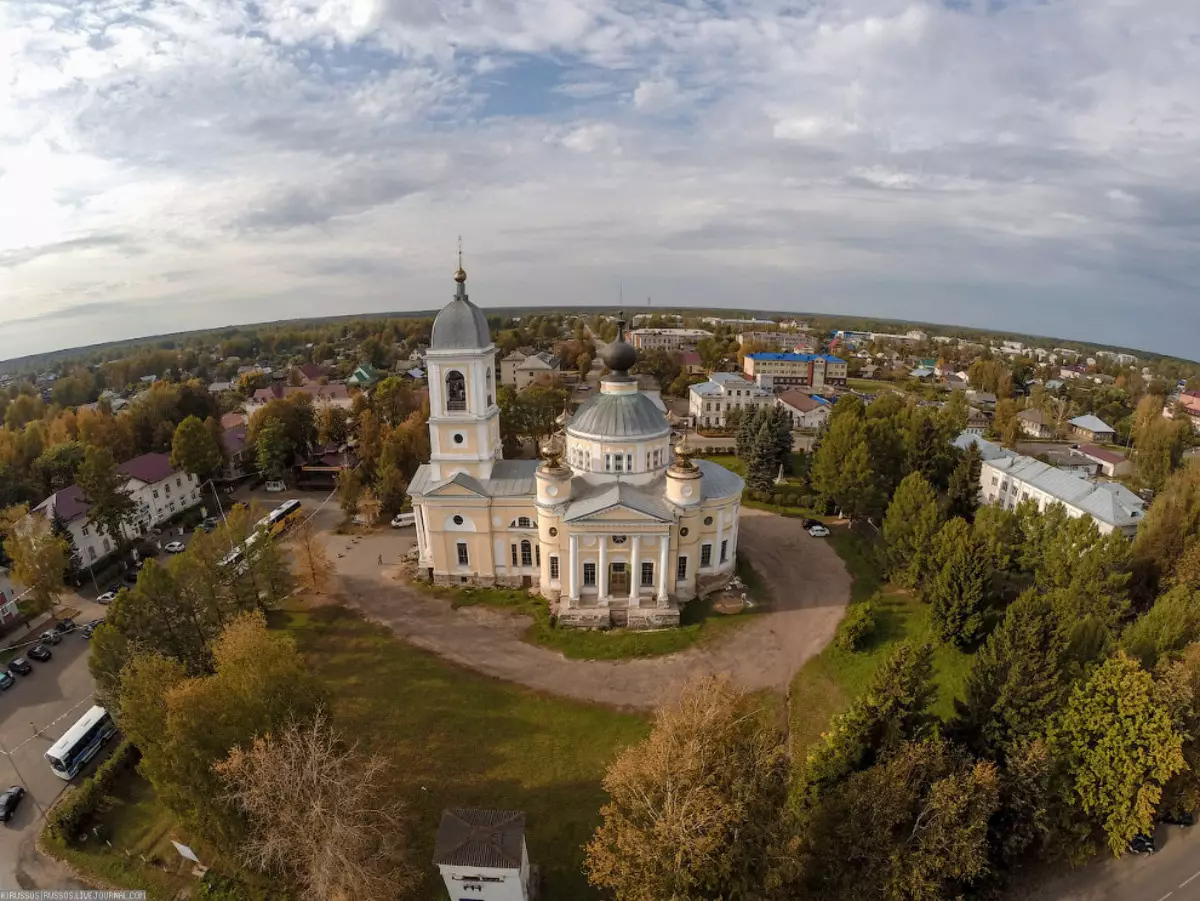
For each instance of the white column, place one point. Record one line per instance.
(573, 570)
(635, 576)
(720, 534)
(664, 542)
(419, 521)
(602, 575)
(428, 534)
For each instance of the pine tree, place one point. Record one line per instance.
(909, 529)
(962, 492)
(958, 588)
(842, 467)
(1017, 680)
(781, 422)
(760, 465)
(747, 429)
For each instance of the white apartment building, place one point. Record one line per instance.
(1007, 479)
(158, 489)
(710, 402)
(666, 338)
(796, 342)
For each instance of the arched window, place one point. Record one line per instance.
(521, 522)
(489, 386)
(526, 553)
(456, 391)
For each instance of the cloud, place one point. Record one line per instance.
(1018, 165)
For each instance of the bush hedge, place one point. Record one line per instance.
(69, 818)
(856, 627)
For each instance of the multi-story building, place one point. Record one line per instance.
(778, 371)
(710, 402)
(521, 370)
(159, 492)
(1006, 479)
(666, 338)
(792, 342)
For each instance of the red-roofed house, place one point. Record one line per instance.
(806, 411)
(1112, 464)
(336, 394)
(690, 361)
(159, 490)
(309, 373)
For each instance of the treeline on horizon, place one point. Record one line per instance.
(319, 327)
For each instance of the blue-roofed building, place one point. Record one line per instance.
(778, 371)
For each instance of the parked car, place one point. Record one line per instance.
(65, 625)
(50, 637)
(818, 531)
(130, 576)
(91, 627)
(9, 801)
(20, 665)
(209, 524)
(1142, 844)
(400, 520)
(1186, 818)
(175, 547)
(6, 681)
(809, 523)
(107, 598)
(40, 652)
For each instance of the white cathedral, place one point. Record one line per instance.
(611, 527)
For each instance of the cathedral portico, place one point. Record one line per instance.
(612, 528)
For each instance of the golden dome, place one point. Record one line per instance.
(460, 275)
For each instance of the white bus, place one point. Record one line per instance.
(80, 743)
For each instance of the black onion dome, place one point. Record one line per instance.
(619, 356)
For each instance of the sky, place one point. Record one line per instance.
(175, 164)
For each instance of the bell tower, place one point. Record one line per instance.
(464, 418)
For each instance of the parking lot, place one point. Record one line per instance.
(34, 713)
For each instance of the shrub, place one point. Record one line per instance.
(70, 816)
(856, 627)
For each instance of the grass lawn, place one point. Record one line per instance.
(459, 739)
(699, 624)
(142, 856)
(827, 683)
(455, 739)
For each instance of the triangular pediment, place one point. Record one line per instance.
(459, 486)
(616, 513)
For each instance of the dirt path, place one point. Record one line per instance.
(806, 579)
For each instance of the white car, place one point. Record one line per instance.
(175, 547)
(818, 531)
(400, 520)
(107, 598)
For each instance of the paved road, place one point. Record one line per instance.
(34, 713)
(806, 579)
(1173, 874)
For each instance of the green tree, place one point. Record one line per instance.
(760, 464)
(914, 827)
(1118, 746)
(1017, 681)
(962, 492)
(892, 710)
(1171, 523)
(194, 449)
(909, 529)
(272, 449)
(183, 726)
(694, 808)
(1165, 629)
(112, 506)
(1006, 427)
(957, 590)
(332, 427)
(842, 468)
(58, 466)
(1158, 442)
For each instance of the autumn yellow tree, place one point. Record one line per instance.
(39, 557)
(694, 808)
(313, 568)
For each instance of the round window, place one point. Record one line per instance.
(683, 533)
(553, 532)
(687, 491)
(708, 520)
(458, 438)
(458, 520)
(552, 490)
